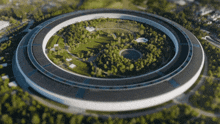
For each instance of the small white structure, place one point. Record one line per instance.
(52, 49)
(215, 16)
(141, 40)
(68, 59)
(203, 11)
(209, 23)
(4, 24)
(13, 92)
(55, 45)
(179, 2)
(90, 29)
(72, 66)
(4, 64)
(5, 77)
(12, 84)
(205, 31)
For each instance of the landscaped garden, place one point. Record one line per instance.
(109, 47)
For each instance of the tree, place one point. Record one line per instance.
(60, 119)
(105, 66)
(76, 119)
(138, 2)
(141, 32)
(131, 67)
(119, 39)
(35, 119)
(1, 66)
(218, 72)
(23, 121)
(142, 120)
(5, 119)
(51, 119)
(12, 20)
(99, 71)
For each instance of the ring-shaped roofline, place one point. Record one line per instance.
(111, 15)
(90, 16)
(122, 95)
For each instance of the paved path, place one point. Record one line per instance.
(140, 7)
(4, 39)
(212, 41)
(27, 29)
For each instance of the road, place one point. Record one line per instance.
(27, 29)
(212, 41)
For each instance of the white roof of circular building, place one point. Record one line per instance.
(141, 39)
(90, 29)
(4, 24)
(109, 94)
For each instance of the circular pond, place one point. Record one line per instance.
(131, 54)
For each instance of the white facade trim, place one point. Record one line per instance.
(115, 106)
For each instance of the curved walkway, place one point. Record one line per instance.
(212, 41)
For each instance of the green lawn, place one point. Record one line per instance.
(116, 4)
(117, 30)
(124, 25)
(95, 43)
(52, 41)
(60, 41)
(81, 67)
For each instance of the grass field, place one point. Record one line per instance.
(94, 44)
(132, 27)
(81, 67)
(116, 4)
(110, 27)
(53, 40)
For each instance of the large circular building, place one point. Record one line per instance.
(32, 66)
